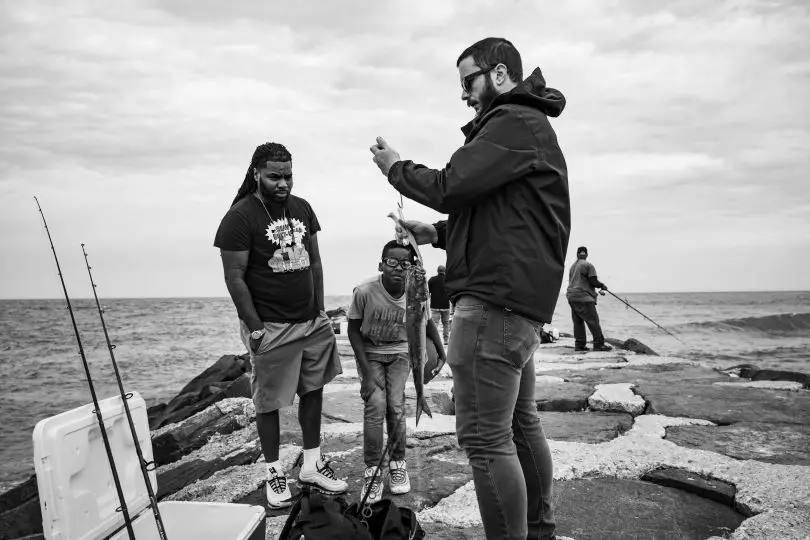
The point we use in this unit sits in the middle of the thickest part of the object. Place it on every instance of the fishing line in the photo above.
(626, 303)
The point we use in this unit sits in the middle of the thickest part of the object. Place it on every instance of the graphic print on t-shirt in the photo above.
(291, 256)
(384, 324)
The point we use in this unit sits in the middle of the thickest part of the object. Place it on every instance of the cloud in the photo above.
(686, 121)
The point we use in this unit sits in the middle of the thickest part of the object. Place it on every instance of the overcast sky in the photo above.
(687, 132)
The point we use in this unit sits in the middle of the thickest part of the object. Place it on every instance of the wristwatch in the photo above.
(257, 334)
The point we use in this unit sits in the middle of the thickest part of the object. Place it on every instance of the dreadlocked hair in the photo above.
(268, 151)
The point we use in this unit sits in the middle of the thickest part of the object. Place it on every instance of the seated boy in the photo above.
(376, 330)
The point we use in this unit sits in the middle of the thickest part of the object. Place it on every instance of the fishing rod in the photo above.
(97, 409)
(145, 466)
(626, 303)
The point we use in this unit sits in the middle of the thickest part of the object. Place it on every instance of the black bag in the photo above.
(387, 521)
(320, 517)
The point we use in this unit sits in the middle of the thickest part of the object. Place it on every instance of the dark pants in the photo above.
(491, 356)
(583, 313)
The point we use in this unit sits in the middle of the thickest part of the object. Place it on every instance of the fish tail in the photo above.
(422, 405)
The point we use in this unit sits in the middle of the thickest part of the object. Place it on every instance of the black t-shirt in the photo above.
(438, 294)
(278, 274)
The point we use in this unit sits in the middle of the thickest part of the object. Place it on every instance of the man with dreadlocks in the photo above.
(269, 248)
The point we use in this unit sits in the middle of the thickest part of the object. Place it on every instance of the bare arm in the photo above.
(367, 385)
(317, 270)
(235, 264)
(356, 341)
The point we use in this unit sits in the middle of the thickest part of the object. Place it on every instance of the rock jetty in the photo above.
(644, 446)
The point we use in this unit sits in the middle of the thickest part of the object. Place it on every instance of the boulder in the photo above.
(204, 391)
(176, 440)
(632, 344)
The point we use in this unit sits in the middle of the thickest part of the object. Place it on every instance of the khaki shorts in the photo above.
(292, 358)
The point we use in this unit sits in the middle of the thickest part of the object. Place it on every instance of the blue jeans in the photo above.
(491, 357)
(390, 371)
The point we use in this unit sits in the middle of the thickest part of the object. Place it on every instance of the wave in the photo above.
(780, 324)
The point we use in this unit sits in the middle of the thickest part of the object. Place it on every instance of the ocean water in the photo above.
(162, 343)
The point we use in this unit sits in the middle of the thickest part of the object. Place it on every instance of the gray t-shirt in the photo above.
(579, 288)
(383, 326)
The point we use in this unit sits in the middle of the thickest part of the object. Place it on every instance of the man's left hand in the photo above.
(384, 155)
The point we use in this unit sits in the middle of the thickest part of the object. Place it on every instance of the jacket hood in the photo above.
(532, 92)
(535, 93)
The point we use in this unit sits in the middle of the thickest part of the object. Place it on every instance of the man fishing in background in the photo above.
(581, 295)
(439, 304)
(269, 248)
(506, 193)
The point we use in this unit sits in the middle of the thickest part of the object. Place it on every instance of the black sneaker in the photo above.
(603, 347)
(581, 349)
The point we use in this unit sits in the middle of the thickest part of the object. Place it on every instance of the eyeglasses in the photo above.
(393, 263)
(466, 82)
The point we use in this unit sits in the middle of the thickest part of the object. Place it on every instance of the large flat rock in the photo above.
(611, 508)
(788, 444)
(561, 396)
(726, 405)
(682, 390)
(585, 426)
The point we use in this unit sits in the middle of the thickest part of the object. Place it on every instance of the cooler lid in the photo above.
(76, 488)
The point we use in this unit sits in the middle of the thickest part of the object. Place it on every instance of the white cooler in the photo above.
(78, 497)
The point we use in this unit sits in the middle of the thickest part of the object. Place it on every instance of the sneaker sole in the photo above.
(400, 491)
(321, 489)
(279, 506)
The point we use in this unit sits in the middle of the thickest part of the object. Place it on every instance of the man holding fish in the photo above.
(506, 193)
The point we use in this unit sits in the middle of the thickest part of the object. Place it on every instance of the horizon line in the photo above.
(562, 293)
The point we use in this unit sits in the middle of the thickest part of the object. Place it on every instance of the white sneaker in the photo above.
(375, 489)
(323, 478)
(278, 493)
(398, 479)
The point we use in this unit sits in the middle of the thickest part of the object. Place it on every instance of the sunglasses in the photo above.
(393, 263)
(466, 82)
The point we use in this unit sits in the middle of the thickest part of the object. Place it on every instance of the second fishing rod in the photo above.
(145, 466)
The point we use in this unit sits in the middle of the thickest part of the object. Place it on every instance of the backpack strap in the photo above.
(294, 511)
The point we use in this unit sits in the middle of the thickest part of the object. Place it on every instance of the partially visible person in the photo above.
(269, 249)
(377, 333)
(439, 303)
(506, 193)
(581, 295)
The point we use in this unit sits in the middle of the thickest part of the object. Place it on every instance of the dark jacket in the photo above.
(506, 193)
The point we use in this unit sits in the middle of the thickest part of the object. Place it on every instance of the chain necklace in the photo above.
(283, 209)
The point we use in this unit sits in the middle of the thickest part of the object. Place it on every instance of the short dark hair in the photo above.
(393, 244)
(269, 151)
(492, 51)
